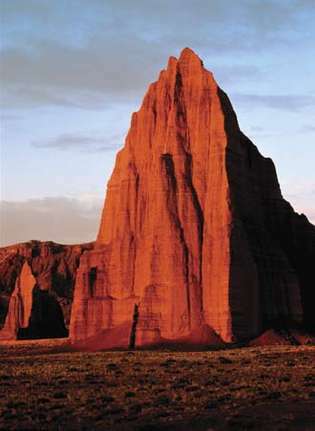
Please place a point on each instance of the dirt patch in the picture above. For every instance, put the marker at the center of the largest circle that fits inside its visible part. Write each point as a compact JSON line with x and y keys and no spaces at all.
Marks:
{"x":249,"y":388}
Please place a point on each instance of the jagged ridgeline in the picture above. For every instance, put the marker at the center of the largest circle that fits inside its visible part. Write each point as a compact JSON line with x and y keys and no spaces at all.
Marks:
{"x":36,"y":288}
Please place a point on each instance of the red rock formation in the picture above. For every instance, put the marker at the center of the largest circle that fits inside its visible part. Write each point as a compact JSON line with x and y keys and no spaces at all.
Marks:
{"x":194,"y":228}
{"x":54,"y":268}
{"x":20,"y":304}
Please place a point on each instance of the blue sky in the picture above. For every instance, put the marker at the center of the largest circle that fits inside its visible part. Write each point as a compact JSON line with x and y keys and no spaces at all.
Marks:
{"x":73,"y":71}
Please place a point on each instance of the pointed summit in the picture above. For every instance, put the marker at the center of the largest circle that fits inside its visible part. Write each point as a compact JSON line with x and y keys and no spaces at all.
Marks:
{"x":187,"y":54}
{"x":194,"y":234}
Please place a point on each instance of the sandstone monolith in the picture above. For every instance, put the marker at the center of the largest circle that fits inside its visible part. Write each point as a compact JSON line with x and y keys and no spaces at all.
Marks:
{"x":194,"y":230}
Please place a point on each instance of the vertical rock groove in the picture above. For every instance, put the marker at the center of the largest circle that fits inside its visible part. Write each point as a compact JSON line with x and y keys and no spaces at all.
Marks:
{"x":171,"y":197}
{"x":194,"y":227}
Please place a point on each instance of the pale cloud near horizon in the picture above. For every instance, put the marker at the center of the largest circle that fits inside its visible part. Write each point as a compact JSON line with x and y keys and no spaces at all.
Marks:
{"x":59,"y":219}
{"x":71,"y":220}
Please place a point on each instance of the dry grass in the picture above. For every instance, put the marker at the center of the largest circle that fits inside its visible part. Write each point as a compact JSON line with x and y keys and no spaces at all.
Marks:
{"x":157,"y":390}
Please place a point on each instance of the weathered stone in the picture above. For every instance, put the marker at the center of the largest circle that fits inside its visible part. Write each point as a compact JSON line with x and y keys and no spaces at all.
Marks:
{"x":194,"y":228}
{"x":46,"y":318}
{"x":54,"y":268}
{"x":20,"y":304}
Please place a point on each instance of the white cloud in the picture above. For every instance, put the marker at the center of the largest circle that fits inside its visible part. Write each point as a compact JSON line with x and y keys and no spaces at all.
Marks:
{"x":287,"y":102}
{"x":58,"y":219}
{"x":76,"y":141}
{"x":307,"y":128}
{"x":114,"y":48}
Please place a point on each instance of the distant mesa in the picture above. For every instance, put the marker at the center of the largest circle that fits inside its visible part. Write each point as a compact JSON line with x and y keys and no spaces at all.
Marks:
{"x":36,"y":289}
{"x":196,"y":244}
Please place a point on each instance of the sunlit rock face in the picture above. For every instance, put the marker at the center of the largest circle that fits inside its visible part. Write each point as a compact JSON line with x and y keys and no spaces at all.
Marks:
{"x":20,"y":305}
{"x":194,"y":230}
{"x":36,"y":288}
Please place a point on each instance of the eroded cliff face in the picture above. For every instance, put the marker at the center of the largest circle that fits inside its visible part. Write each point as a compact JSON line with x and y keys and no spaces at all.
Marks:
{"x":47,"y":299}
{"x":192,"y":231}
{"x":20,"y":304}
{"x":272,"y":247}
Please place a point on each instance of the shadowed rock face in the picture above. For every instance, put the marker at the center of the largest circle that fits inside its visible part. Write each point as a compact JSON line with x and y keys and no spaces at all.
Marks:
{"x":194,"y":228}
{"x":46,"y":318}
{"x":20,"y":304}
{"x":37,"y":279}
{"x":272,"y":246}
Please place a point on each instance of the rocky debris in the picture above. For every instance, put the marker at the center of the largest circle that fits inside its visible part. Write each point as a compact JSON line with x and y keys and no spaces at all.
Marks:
{"x":37,"y":278}
{"x":272,"y":337}
{"x":194,"y":228}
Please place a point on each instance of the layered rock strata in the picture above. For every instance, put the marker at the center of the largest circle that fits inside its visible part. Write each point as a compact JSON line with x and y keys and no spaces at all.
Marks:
{"x":20,"y":305}
{"x":46,"y":300}
{"x":194,"y":231}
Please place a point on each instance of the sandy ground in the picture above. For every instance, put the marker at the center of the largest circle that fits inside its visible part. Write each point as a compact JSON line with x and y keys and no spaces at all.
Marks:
{"x":33,"y":347}
{"x":43,"y":386}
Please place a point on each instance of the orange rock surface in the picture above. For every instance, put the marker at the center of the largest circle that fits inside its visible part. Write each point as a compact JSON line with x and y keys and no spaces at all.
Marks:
{"x":194,"y":228}
{"x":20,"y":304}
{"x":53,"y":267}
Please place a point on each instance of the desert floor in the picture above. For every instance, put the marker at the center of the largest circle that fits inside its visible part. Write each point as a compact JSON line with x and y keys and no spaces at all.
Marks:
{"x":45,"y":386}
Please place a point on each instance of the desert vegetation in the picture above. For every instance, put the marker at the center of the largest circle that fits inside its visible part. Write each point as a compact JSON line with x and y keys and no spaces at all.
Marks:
{"x":47,"y":387}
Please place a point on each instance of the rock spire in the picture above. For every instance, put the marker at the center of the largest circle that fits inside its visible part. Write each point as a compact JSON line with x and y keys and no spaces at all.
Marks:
{"x":194,"y":231}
